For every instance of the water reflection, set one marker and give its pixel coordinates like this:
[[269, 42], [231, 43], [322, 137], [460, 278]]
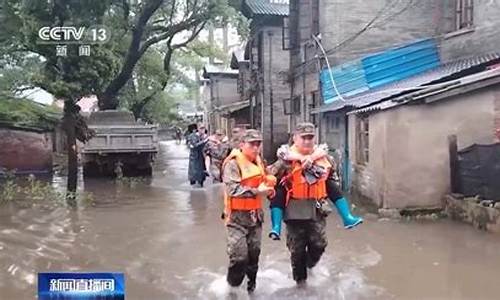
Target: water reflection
[[170, 242]]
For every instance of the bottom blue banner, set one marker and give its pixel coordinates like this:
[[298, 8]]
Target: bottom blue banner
[[81, 286]]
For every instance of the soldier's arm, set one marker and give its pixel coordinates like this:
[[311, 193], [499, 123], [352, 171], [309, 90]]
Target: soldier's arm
[[278, 168], [232, 179], [284, 153], [207, 149], [196, 142]]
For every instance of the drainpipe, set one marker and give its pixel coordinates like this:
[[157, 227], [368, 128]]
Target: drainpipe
[[346, 164]]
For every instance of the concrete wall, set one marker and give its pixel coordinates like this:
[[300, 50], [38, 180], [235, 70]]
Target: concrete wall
[[26, 151], [482, 38], [369, 180], [409, 160]]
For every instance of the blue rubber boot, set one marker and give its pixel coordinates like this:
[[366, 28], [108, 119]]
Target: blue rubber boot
[[343, 208], [276, 218]]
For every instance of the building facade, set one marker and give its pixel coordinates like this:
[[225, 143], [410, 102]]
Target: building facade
[[345, 55], [268, 68], [219, 93]]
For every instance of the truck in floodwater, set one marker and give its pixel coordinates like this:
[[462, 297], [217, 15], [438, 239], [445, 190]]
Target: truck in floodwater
[[121, 145]]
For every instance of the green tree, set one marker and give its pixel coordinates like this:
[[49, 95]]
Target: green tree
[[135, 29]]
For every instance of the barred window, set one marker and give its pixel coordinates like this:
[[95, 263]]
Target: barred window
[[362, 140], [464, 10]]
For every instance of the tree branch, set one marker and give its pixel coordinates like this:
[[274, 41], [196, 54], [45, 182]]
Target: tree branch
[[108, 99], [193, 36], [171, 31]]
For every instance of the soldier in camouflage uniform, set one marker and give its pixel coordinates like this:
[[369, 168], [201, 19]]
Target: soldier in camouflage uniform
[[216, 150], [310, 183], [244, 175], [235, 137]]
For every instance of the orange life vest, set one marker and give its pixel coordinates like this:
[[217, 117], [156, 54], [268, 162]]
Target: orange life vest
[[300, 189], [252, 175]]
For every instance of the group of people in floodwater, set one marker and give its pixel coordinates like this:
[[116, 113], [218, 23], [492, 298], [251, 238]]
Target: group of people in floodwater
[[207, 152], [301, 186]]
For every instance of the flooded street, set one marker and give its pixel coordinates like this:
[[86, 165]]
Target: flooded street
[[169, 241]]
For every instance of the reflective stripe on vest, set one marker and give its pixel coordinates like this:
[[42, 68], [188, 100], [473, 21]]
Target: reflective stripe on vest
[[252, 175], [300, 189]]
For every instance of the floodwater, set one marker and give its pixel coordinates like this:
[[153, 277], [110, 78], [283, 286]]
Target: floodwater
[[169, 241]]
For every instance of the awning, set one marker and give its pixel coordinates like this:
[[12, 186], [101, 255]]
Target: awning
[[233, 107]]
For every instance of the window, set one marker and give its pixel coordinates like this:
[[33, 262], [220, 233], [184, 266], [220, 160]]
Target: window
[[313, 118], [296, 105], [362, 140], [463, 14], [315, 17], [292, 106], [333, 123], [260, 45], [254, 57], [285, 34], [287, 106], [291, 23]]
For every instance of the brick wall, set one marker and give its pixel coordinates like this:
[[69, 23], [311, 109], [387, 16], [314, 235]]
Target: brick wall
[[274, 72], [25, 151]]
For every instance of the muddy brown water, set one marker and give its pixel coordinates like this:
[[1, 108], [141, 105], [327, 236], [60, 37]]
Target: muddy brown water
[[169, 241]]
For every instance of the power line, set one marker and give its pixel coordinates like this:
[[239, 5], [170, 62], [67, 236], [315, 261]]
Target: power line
[[366, 51], [379, 14], [366, 27], [329, 69]]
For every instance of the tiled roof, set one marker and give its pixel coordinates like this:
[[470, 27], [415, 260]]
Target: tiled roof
[[435, 91], [268, 7], [218, 69], [440, 73], [232, 107]]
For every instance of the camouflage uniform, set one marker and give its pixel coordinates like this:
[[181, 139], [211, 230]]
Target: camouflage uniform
[[217, 153], [305, 223], [244, 231]]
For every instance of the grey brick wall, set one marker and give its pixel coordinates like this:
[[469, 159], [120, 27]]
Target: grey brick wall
[[224, 90], [274, 72], [270, 77], [398, 22]]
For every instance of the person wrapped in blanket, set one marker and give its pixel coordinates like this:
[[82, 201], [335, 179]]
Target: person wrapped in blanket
[[311, 172]]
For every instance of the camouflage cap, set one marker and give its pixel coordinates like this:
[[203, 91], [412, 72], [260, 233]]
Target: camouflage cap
[[251, 135], [305, 129], [236, 130]]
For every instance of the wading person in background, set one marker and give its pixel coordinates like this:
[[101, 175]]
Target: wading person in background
[[309, 178], [245, 180], [216, 150], [196, 142], [235, 137], [178, 135]]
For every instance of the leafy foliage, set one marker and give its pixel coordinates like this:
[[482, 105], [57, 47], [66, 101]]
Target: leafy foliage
[[26, 113]]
